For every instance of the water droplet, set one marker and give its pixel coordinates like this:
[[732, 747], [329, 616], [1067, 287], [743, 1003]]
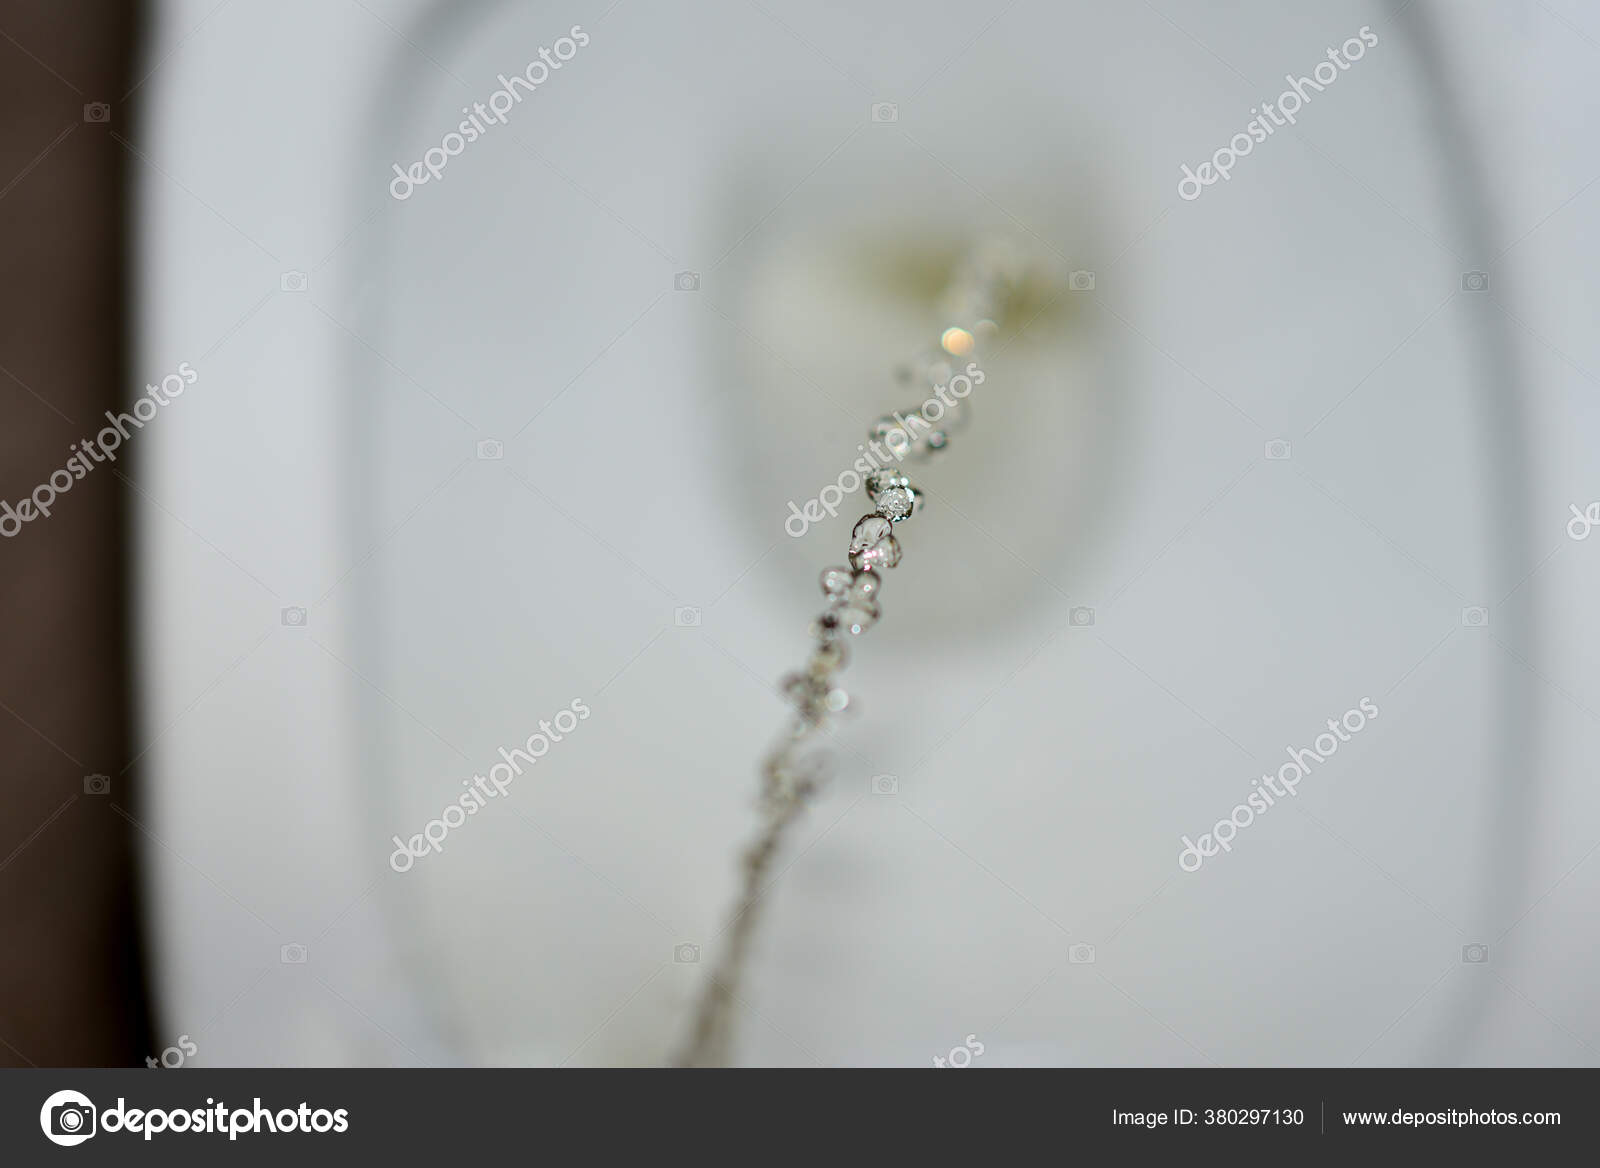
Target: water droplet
[[865, 587], [836, 581], [858, 618], [883, 554], [869, 530], [896, 503]]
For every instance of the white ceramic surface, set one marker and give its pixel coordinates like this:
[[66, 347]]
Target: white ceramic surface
[[651, 439]]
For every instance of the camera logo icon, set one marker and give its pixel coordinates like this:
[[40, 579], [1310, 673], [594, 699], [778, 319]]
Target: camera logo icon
[[1475, 617], [1081, 954], [1081, 281], [98, 112], [1081, 617], [292, 954], [294, 282], [490, 449], [686, 618], [1278, 449], [294, 617], [884, 785], [686, 954], [686, 282], [1474, 954], [1474, 281], [884, 111], [97, 784], [67, 1118]]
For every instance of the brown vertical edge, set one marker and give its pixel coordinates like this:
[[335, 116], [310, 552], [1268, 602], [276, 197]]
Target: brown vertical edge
[[72, 982]]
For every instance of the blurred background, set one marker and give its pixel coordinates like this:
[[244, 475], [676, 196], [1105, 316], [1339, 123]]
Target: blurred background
[[462, 452]]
